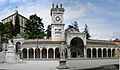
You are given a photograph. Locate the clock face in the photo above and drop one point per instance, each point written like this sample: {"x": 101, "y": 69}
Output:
{"x": 57, "y": 18}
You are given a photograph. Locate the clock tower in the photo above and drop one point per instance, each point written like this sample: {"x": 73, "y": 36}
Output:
{"x": 57, "y": 25}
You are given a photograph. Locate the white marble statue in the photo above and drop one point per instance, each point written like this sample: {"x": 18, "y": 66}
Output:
{"x": 62, "y": 51}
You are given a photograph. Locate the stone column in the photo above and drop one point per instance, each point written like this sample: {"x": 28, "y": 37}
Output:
{"x": 102, "y": 53}
{"x": 116, "y": 53}
{"x": 111, "y": 52}
{"x": 27, "y": 53}
{"x": 21, "y": 54}
{"x": 106, "y": 52}
{"x": 96, "y": 52}
{"x": 54, "y": 53}
{"x": 34, "y": 52}
{"x": 91, "y": 53}
{"x": 85, "y": 54}
{"x": 47, "y": 52}
{"x": 40, "y": 53}
{"x": 69, "y": 53}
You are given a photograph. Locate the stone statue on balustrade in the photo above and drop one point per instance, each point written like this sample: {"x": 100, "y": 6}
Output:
{"x": 10, "y": 42}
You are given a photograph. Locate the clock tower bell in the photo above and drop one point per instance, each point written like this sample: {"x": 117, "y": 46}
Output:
{"x": 57, "y": 26}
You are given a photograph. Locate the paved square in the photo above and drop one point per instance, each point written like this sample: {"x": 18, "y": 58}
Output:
{"x": 51, "y": 65}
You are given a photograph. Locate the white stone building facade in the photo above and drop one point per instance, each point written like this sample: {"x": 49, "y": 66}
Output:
{"x": 76, "y": 44}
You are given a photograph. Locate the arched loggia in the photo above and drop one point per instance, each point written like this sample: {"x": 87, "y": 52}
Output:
{"x": 104, "y": 53}
{"x": 94, "y": 52}
{"x": 17, "y": 47}
{"x": 109, "y": 52}
{"x": 44, "y": 53}
{"x": 99, "y": 52}
{"x": 57, "y": 54}
{"x": 77, "y": 47}
{"x": 89, "y": 53}
{"x": 113, "y": 52}
{"x": 31, "y": 53}
{"x": 50, "y": 53}
{"x": 37, "y": 53}
{"x": 24, "y": 52}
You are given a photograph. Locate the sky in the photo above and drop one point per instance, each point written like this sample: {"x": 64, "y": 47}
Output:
{"x": 101, "y": 16}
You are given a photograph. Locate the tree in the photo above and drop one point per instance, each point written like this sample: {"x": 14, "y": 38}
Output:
{"x": 8, "y": 30}
{"x": 75, "y": 25}
{"x": 73, "y": 28}
{"x": 1, "y": 28}
{"x": 86, "y": 31}
{"x": 34, "y": 28}
{"x": 17, "y": 25}
{"x": 48, "y": 31}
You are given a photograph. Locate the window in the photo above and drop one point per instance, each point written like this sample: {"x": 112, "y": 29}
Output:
{"x": 57, "y": 31}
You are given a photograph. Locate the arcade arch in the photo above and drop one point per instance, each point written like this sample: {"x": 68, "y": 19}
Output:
{"x": 77, "y": 47}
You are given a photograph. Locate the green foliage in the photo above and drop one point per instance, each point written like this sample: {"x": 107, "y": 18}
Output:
{"x": 86, "y": 31}
{"x": 7, "y": 30}
{"x": 48, "y": 31}
{"x": 34, "y": 27}
{"x": 73, "y": 27}
{"x": 17, "y": 25}
{"x": 1, "y": 28}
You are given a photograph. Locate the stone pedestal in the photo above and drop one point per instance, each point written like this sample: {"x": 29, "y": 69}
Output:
{"x": 10, "y": 55}
{"x": 62, "y": 64}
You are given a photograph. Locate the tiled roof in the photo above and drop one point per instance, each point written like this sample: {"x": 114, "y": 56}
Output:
{"x": 43, "y": 42}
{"x": 100, "y": 42}
{"x": 89, "y": 42}
{"x": 13, "y": 15}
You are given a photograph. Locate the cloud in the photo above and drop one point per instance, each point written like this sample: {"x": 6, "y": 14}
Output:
{"x": 115, "y": 34}
{"x": 35, "y": 8}
{"x": 97, "y": 18}
{"x": 2, "y": 2}
{"x": 71, "y": 13}
{"x": 14, "y": 1}
{"x": 5, "y": 12}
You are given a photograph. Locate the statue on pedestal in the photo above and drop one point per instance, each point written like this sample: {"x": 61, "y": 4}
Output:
{"x": 62, "y": 61}
{"x": 10, "y": 53}
{"x": 62, "y": 51}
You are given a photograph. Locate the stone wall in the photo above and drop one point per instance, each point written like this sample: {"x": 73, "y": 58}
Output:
{"x": 2, "y": 57}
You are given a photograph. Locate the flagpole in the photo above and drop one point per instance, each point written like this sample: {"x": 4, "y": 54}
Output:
{"x": 37, "y": 41}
